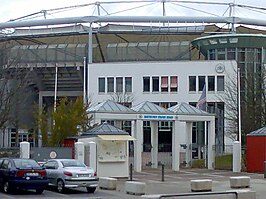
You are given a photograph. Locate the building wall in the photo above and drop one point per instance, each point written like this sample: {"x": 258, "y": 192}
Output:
{"x": 138, "y": 70}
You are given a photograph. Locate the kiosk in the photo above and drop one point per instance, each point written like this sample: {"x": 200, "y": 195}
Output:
{"x": 112, "y": 152}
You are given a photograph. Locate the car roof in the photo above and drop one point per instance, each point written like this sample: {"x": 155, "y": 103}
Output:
{"x": 63, "y": 159}
{"x": 4, "y": 158}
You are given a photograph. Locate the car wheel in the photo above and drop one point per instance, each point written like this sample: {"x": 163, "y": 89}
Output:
{"x": 60, "y": 186}
{"x": 91, "y": 189}
{"x": 39, "y": 191}
{"x": 6, "y": 187}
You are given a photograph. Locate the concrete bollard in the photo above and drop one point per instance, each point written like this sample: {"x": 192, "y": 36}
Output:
{"x": 135, "y": 188}
{"x": 93, "y": 155}
{"x": 236, "y": 157}
{"x": 79, "y": 151}
{"x": 24, "y": 150}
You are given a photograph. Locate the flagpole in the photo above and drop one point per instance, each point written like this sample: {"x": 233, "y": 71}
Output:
{"x": 239, "y": 106}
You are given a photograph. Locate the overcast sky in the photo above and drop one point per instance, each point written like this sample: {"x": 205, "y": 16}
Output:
{"x": 12, "y": 9}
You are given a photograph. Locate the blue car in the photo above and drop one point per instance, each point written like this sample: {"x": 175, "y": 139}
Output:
{"x": 17, "y": 173}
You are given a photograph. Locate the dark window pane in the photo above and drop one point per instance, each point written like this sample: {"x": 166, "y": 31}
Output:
{"x": 201, "y": 82}
{"x": 128, "y": 84}
{"x": 155, "y": 84}
{"x": 146, "y": 84}
{"x": 192, "y": 83}
{"x": 211, "y": 83}
{"x": 220, "y": 83}
{"x": 119, "y": 84}
{"x": 110, "y": 84}
{"x": 101, "y": 85}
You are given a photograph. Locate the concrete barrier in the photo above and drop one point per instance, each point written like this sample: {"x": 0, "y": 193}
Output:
{"x": 135, "y": 188}
{"x": 107, "y": 183}
{"x": 240, "y": 182}
{"x": 236, "y": 194}
{"x": 201, "y": 185}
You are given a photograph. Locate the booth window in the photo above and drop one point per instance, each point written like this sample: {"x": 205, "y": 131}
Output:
{"x": 220, "y": 83}
{"x": 110, "y": 84}
{"x": 146, "y": 84}
{"x": 173, "y": 83}
{"x": 164, "y": 84}
{"x": 155, "y": 84}
{"x": 101, "y": 82}
{"x": 128, "y": 84}
{"x": 119, "y": 84}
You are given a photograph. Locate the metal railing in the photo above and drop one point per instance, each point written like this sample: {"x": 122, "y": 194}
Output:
{"x": 199, "y": 194}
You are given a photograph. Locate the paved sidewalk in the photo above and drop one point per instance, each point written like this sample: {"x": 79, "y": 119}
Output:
{"x": 179, "y": 182}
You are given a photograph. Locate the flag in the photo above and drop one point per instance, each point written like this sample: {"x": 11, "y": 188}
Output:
{"x": 201, "y": 104}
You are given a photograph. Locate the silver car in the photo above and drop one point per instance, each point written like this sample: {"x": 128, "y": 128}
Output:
{"x": 70, "y": 173}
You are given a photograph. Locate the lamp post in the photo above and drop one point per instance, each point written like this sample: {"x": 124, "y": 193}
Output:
{"x": 84, "y": 80}
{"x": 55, "y": 87}
{"x": 239, "y": 105}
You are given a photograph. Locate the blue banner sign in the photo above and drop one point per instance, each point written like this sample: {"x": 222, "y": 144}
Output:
{"x": 158, "y": 117}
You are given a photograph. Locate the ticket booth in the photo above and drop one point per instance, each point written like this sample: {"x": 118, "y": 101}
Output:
{"x": 112, "y": 153}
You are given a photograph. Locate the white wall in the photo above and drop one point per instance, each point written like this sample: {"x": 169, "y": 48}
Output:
{"x": 137, "y": 70}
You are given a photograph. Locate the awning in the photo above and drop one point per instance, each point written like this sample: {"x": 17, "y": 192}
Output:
{"x": 116, "y": 137}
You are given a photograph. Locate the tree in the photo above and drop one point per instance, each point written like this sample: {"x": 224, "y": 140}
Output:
{"x": 15, "y": 89}
{"x": 124, "y": 99}
{"x": 41, "y": 123}
{"x": 69, "y": 118}
{"x": 253, "y": 103}
{"x": 14, "y": 92}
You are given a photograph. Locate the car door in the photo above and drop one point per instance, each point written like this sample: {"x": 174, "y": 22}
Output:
{"x": 5, "y": 168}
{"x": 1, "y": 172}
{"x": 51, "y": 169}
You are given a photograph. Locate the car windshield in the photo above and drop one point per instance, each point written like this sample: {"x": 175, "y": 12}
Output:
{"x": 72, "y": 163}
{"x": 24, "y": 163}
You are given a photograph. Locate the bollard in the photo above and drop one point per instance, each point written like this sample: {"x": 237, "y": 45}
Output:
{"x": 130, "y": 172}
{"x": 162, "y": 172}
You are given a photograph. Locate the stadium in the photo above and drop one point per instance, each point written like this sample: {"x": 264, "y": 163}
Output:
{"x": 159, "y": 58}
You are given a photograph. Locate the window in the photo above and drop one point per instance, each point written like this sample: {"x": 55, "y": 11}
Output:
{"x": 164, "y": 84}
{"x": 192, "y": 83}
{"x": 101, "y": 82}
{"x": 212, "y": 54}
{"x": 231, "y": 54}
{"x": 211, "y": 83}
{"x": 173, "y": 83}
{"x": 110, "y": 84}
{"x": 155, "y": 84}
{"x": 146, "y": 84}
{"x": 221, "y": 54}
{"x": 128, "y": 84}
{"x": 119, "y": 84}
{"x": 220, "y": 83}
{"x": 201, "y": 82}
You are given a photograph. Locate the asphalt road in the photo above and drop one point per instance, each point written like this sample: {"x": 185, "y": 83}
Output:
{"x": 174, "y": 182}
{"x": 75, "y": 194}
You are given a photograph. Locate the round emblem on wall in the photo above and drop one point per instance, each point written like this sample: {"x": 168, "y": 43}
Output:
{"x": 53, "y": 154}
{"x": 219, "y": 68}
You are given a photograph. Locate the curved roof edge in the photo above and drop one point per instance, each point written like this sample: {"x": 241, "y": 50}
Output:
{"x": 229, "y": 41}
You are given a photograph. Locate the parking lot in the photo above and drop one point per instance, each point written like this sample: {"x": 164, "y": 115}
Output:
{"x": 174, "y": 182}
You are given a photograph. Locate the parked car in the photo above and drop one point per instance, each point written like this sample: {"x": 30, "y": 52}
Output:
{"x": 17, "y": 173}
{"x": 70, "y": 173}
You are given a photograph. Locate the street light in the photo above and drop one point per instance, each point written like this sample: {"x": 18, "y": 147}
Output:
{"x": 239, "y": 105}
{"x": 55, "y": 87}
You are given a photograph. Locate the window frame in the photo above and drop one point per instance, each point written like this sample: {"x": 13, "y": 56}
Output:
{"x": 99, "y": 85}
{"x": 110, "y": 85}
{"x": 218, "y": 85}
{"x": 146, "y": 80}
